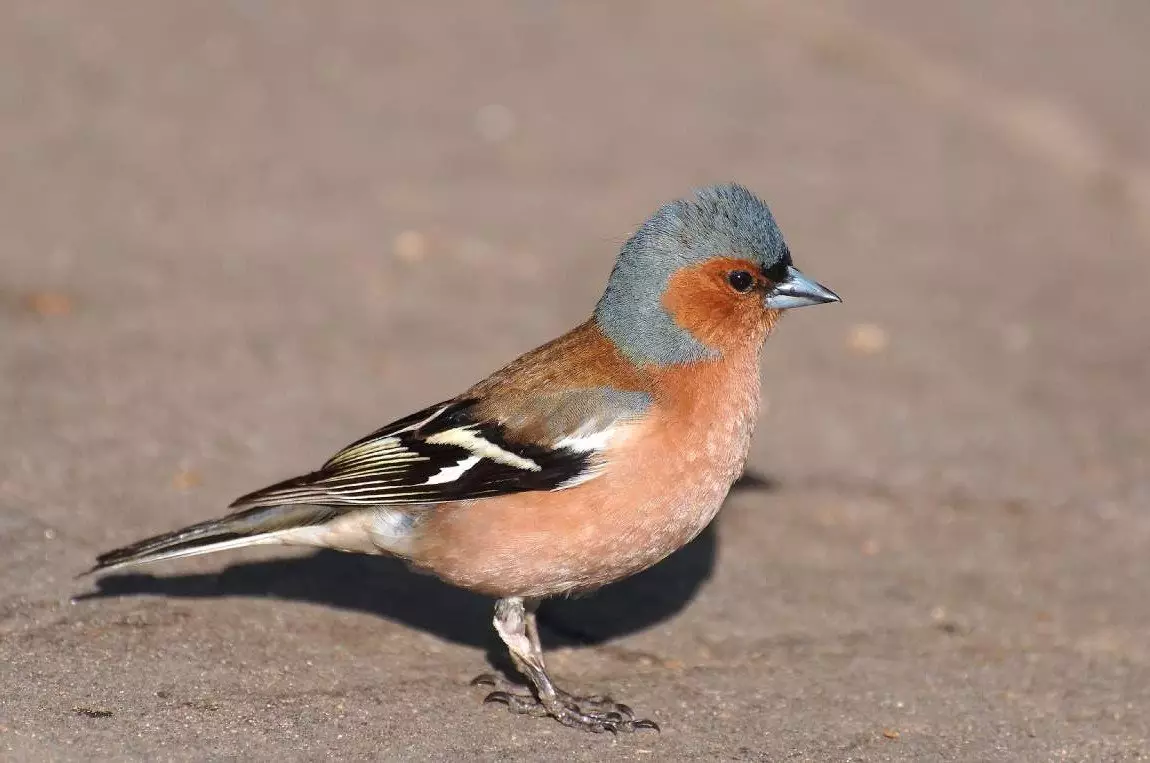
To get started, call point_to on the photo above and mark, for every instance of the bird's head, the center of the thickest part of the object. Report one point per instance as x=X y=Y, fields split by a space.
x=704 y=276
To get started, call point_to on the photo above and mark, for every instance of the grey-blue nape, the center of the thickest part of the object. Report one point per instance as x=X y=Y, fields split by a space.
x=718 y=221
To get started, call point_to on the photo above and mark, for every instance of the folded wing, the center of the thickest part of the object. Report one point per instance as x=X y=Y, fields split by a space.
x=458 y=451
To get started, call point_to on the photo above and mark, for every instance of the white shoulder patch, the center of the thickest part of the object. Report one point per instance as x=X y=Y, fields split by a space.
x=587 y=443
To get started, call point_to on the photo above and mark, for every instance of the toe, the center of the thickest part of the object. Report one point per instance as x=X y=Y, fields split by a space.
x=484 y=679
x=597 y=699
x=498 y=696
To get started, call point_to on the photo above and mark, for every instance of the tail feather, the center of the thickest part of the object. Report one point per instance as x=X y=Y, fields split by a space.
x=245 y=528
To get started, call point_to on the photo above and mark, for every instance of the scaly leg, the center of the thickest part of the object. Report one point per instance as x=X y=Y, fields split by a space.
x=515 y=623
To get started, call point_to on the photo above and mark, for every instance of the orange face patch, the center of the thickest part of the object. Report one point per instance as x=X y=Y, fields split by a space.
x=702 y=300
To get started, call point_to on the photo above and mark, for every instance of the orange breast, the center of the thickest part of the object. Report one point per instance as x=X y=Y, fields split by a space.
x=666 y=477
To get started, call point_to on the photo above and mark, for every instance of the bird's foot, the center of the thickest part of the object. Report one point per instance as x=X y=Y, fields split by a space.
x=518 y=699
x=596 y=713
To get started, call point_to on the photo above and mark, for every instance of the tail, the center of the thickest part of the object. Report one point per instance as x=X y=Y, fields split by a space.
x=250 y=527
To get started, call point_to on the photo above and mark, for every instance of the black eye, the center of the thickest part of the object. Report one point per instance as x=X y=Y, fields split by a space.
x=740 y=280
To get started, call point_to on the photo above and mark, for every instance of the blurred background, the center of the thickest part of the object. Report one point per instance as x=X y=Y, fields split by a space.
x=235 y=236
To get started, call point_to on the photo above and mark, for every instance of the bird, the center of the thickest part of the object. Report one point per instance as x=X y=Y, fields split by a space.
x=582 y=462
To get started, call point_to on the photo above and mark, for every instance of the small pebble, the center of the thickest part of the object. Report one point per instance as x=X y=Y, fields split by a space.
x=495 y=123
x=49 y=303
x=868 y=339
x=409 y=246
x=186 y=479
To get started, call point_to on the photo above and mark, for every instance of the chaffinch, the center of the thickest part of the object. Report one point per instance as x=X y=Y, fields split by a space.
x=584 y=461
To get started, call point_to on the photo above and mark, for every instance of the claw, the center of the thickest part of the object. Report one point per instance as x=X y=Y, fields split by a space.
x=498 y=696
x=597 y=713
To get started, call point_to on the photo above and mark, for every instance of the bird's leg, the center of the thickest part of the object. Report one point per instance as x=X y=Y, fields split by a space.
x=600 y=702
x=515 y=624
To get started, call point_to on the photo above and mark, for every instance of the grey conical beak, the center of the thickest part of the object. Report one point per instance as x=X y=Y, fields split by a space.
x=798 y=291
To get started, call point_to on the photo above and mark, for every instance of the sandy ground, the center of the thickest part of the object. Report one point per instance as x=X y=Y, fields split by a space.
x=236 y=236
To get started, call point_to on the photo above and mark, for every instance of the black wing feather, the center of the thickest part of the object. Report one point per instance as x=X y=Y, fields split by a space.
x=399 y=464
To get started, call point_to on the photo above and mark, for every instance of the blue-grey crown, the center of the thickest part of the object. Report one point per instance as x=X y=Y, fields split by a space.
x=719 y=221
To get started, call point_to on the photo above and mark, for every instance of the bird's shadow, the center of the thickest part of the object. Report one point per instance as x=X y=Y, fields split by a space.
x=387 y=588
